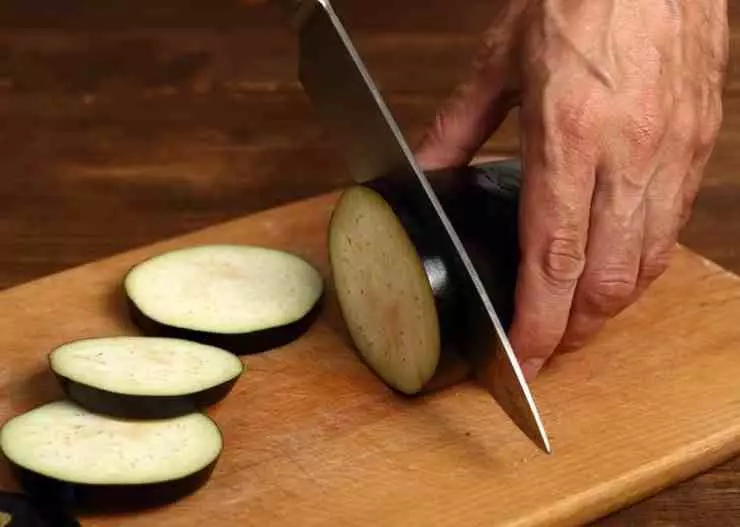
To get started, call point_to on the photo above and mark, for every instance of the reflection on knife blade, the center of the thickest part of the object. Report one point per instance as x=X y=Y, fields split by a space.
x=351 y=107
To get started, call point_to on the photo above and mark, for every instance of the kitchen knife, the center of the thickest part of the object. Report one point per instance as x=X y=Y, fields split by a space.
x=351 y=107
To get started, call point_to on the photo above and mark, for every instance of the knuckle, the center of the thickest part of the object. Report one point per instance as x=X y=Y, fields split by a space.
x=708 y=135
x=609 y=293
x=720 y=52
x=564 y=260
x=643 y=130
x=685 y=126
x=710 y=128
x=574 y=120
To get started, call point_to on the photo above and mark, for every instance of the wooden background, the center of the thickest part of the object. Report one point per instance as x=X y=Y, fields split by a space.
x=126 y=122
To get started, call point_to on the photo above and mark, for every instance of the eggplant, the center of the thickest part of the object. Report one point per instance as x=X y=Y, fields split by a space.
x=396 y=289
x=144 y=377
x=18 y=510
x=245 y=299
x=75 y=460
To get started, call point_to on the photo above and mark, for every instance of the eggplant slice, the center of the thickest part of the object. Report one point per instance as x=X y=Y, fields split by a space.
x=395 y=289
x=245 y=299
x=144 y=377
x=60 y=453
x=387 y=301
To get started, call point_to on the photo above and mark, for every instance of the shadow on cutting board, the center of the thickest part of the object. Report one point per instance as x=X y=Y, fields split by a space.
x=39 y=388
x=117 y=309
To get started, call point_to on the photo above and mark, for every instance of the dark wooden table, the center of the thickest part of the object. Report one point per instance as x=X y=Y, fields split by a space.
x=126 y=122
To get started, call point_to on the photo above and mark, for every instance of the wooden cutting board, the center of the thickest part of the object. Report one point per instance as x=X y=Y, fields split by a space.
x=313 y=438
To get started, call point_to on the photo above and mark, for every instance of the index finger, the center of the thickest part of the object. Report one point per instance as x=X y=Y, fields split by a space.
x=554 y=212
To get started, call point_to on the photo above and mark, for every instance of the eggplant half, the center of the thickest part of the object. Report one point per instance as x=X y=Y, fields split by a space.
x=144 y=377
x=73 y=459
x=241 y=298
x=395 y=286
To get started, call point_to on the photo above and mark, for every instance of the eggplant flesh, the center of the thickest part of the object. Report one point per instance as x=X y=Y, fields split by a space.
x=395 y=286
x=144 y=377
x=245 y=299
x=387 y=301
x=73 y=459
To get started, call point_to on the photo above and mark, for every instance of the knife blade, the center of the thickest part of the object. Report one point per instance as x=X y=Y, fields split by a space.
x=353 y=110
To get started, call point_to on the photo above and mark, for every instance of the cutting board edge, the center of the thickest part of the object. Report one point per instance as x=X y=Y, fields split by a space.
x=642 y=483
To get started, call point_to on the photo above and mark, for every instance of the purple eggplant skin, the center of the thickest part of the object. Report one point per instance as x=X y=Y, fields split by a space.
x=481 y=202
x=25 y=512
x=142 y=406
x=86 y=499
x=238 y=343
x=446 y=296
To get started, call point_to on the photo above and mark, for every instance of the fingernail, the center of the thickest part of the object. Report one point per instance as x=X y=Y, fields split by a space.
x=531 y=367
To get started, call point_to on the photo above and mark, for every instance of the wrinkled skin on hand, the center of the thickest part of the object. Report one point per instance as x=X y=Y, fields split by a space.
x=620 y=105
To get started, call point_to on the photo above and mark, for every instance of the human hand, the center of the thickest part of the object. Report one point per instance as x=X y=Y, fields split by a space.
x=620 y=105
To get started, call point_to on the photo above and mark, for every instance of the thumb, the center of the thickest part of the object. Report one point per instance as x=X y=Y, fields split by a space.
x=472 y=114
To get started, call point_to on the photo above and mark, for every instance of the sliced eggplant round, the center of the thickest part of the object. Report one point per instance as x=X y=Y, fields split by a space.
x=144 y=377
x=61 y=453
x=387 y=300
x=245 y=299
x=395 y=286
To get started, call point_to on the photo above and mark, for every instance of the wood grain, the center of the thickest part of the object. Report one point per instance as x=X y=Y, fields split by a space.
x=313 y=438
x=125 y=122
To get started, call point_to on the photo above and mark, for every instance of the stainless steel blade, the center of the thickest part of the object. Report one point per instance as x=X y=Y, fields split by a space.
x=351 y=107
